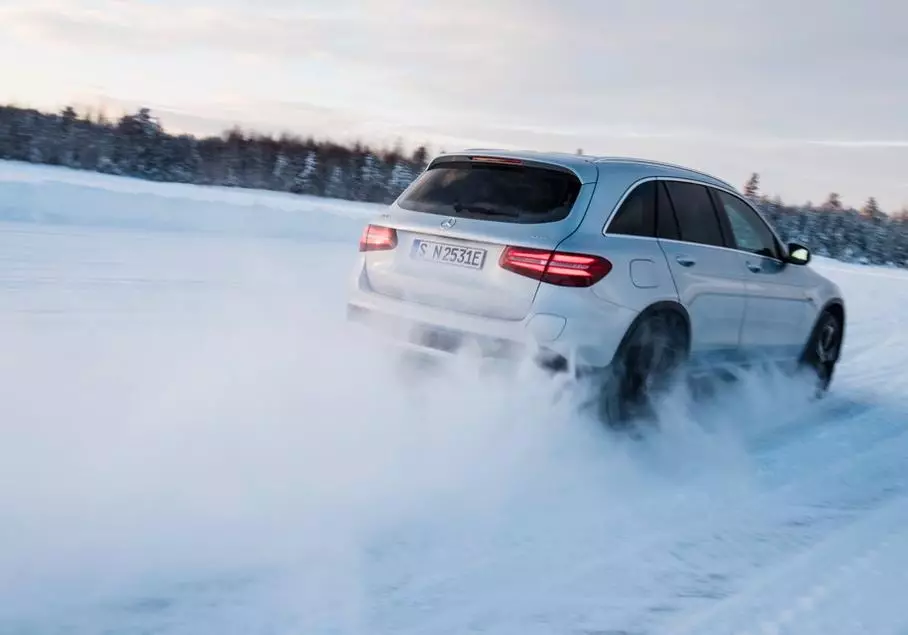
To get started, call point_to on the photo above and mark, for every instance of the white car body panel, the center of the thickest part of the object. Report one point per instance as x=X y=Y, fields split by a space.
x=737 y=303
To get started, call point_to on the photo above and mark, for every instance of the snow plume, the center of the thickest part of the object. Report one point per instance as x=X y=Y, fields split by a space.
x=138 y=458
x=244 y=470
x=194 y=441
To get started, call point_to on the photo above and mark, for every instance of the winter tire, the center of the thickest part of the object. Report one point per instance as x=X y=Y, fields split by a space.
x=822 y=351
x=644 y=368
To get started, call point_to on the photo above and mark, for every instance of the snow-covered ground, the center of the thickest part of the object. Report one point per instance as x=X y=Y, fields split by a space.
x=192 y=441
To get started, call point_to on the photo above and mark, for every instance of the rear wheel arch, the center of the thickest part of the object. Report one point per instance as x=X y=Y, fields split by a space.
x=642 y=369
x=653 y=310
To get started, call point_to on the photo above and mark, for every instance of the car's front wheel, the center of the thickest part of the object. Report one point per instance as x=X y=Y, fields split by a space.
x=822 y=351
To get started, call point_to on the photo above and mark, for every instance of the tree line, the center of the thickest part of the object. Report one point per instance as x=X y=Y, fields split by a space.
x=866 y=235
x=137 y=145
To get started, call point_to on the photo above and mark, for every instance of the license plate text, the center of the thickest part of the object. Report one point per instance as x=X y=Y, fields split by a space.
x=449 y=254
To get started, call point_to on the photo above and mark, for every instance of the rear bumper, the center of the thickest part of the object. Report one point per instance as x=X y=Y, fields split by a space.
x=434 y=337
x=587 y=336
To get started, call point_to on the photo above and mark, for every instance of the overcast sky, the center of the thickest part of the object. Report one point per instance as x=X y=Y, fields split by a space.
x=813 y=94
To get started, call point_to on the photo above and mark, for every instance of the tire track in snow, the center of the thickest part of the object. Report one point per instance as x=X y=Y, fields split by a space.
x=521 y=576
x=814 y=592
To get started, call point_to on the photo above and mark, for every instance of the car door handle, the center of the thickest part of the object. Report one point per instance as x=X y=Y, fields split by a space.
x=685 y=261
x=755 y=268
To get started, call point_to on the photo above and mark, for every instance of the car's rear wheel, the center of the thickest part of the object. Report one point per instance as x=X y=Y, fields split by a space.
x=822 y=351
x=644 y=368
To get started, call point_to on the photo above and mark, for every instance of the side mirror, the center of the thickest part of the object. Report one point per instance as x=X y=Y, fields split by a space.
x=798 y=254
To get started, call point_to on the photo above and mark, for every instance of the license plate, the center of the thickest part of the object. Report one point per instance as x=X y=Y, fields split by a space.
x=432 y=251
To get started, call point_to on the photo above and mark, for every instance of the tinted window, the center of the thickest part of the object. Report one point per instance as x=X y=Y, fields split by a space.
x=504 y=193
x=637 y=215
x=697 y=218
x=666 y=223
x=749 y=231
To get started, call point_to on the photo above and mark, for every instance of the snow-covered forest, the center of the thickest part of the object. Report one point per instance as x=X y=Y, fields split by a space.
x=137 y=145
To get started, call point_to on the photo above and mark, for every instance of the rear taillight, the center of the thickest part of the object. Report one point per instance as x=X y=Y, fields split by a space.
x=553 y=267
x=378 y=238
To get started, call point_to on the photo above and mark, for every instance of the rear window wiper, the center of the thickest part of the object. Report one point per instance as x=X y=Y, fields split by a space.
x=479 y=209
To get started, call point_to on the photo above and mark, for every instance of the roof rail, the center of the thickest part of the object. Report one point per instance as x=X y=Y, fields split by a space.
x=666 y=164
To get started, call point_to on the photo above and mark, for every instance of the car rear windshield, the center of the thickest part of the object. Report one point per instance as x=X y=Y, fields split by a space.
x=499 y=192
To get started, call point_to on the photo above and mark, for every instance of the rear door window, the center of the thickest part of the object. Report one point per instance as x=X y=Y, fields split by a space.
x=666 y=221
x=697 y=218
x=637 y=214
x=499 y=192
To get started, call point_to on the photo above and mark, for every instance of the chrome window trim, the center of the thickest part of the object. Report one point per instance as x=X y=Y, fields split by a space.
x=678 y=179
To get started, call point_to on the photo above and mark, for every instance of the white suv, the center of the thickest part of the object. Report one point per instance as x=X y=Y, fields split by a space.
x=626 y=267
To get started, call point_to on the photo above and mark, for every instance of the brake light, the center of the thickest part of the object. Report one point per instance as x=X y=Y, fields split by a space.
x=553 y=267
x=378 y=238
x=498 y=160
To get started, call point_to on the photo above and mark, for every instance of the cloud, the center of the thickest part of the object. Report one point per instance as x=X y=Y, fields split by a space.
x=861 y=143
x=266 y=28
x=710 y=81
x=126 y=27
